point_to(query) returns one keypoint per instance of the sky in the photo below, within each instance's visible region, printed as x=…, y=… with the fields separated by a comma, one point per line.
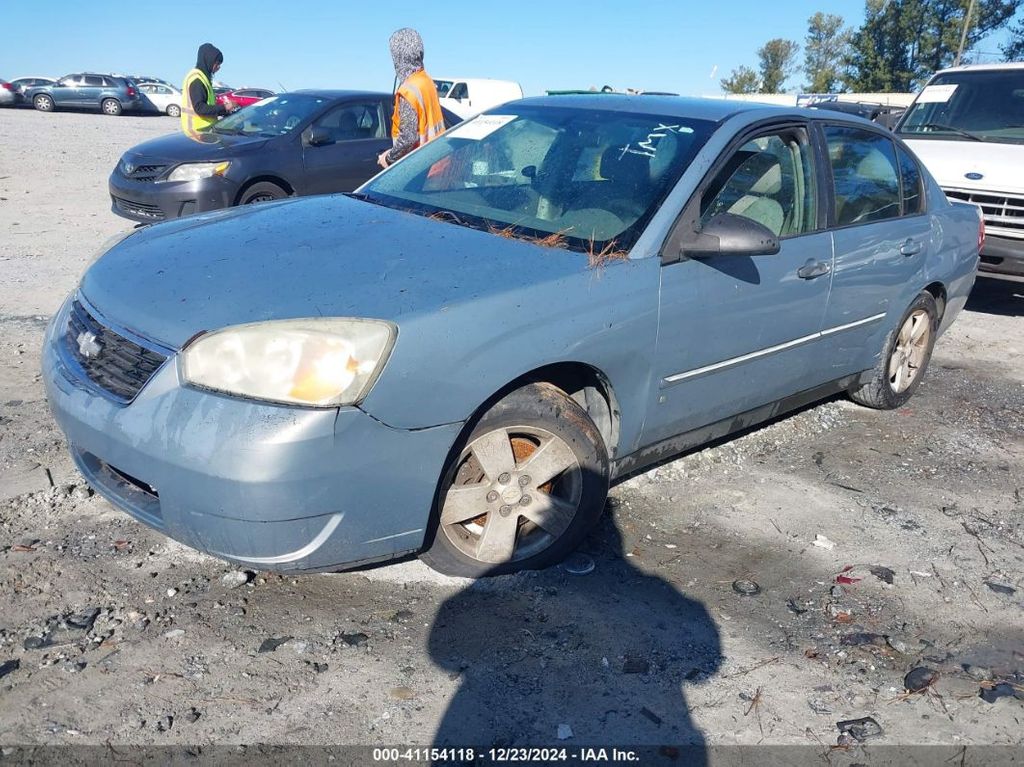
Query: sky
x=683, y=46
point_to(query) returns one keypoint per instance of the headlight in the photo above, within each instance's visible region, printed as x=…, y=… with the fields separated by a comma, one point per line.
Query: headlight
x=197, y=170
x=317, y=362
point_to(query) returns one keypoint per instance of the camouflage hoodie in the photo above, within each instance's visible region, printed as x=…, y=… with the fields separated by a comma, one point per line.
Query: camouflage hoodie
x=407, y=54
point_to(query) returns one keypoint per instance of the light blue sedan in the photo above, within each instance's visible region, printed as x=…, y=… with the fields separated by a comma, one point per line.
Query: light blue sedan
x=458, y=358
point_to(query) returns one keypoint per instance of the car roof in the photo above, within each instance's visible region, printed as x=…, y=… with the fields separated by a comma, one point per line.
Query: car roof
x=983, y=67
x=715, y=110
x=326, y=93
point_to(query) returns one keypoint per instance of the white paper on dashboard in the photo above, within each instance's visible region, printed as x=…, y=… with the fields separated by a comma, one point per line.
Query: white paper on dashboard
x=936, y=94
x=480, y=127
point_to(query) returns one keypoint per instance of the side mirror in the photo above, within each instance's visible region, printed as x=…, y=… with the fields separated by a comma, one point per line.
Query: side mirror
x=730, y=235
x=530, y=171
x=320, y=137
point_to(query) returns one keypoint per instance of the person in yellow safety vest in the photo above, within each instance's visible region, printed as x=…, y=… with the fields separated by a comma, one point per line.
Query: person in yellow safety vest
x=417, y=118
x=199, y=107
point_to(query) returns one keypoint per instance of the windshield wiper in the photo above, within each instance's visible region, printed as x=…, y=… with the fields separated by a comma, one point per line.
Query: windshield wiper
x=951, y=129
x=225, y=131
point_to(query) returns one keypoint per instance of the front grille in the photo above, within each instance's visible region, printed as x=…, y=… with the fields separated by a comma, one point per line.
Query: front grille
x=142, y=209
x=117, y=365
x=147, y=172
x=999, y=210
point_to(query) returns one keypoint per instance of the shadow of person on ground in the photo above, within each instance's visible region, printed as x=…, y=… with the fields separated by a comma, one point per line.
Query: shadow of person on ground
x=607, y=654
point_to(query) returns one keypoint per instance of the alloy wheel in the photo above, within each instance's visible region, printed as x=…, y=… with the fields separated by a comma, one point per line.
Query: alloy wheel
x=910, y=351
x=515, y=492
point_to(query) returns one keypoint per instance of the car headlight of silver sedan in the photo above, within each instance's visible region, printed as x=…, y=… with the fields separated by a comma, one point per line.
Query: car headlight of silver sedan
x=194, y=171
x=314, y=362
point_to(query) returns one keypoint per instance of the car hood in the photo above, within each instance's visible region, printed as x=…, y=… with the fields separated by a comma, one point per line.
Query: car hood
x=1001, y=166
x=177, y=147
x=322, y=256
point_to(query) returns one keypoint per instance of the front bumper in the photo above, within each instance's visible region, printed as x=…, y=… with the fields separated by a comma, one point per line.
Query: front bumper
x=1002, y=255
x=271, y=487
x=149, y=201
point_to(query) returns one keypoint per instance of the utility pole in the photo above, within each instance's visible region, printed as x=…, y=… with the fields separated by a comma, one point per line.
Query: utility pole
x=963, y=34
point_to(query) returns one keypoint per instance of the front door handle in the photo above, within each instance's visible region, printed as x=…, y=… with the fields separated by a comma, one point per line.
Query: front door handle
x=813, y=269
x=911, y=248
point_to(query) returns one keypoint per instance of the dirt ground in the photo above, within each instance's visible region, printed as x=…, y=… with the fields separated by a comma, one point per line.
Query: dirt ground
x=111, y=633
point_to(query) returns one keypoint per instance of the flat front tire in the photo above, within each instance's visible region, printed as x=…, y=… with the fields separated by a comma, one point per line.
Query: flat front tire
x=528, y=484
x=263, y=191
x=904, y=359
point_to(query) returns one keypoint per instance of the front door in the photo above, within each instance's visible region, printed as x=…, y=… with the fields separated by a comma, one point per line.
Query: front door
x=349, y=139
x=739, y=332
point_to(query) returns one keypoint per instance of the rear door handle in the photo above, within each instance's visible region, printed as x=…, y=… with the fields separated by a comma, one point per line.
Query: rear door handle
x=813, y=269
x=911, y=248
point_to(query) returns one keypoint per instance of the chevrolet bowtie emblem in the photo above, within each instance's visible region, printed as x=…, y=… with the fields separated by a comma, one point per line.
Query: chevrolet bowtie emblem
x=88, y=346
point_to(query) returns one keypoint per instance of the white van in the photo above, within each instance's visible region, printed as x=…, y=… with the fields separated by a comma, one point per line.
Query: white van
x=967, y=126
x=468, y=96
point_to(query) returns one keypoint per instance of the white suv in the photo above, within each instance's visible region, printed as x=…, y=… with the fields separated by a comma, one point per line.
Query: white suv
x=967, y=126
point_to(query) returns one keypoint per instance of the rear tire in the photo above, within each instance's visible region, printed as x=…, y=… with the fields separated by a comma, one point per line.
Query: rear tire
x=43, y=103
x=173, y=110
x=263, y=191
x=111, y=107
x=525, y=489
x=904, y=359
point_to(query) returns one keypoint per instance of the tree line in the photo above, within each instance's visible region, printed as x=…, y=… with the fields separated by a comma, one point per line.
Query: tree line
x=900, y=44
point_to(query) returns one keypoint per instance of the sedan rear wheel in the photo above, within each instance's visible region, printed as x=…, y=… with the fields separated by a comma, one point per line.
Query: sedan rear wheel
x=43, y=103
x=524, y=491
x=904, y=358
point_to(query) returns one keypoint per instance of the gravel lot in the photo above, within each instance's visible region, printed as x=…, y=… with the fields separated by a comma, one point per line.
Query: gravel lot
x=112, y=633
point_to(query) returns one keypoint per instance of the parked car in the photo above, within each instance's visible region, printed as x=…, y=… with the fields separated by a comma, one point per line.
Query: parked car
x=244, y=97
x=8, y=93
x=967, y=126
x=21, y=84
x=161, y=98
x=457, y=358
x=111, y=95
x=309, y=142
x=470, y=96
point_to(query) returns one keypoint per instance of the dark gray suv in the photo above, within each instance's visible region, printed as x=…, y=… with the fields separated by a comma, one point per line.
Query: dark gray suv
x=111, y=95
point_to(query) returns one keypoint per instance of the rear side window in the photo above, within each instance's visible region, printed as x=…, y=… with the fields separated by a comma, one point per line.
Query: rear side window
x=910, y=176
x=92, y=81
x=865, y=176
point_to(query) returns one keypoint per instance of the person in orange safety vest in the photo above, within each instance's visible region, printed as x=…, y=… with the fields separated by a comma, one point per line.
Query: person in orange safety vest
x=417, y=118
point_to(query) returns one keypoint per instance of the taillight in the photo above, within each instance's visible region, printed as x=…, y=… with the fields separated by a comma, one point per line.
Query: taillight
x=981, y=232
x=131, y=91
x=8, y=87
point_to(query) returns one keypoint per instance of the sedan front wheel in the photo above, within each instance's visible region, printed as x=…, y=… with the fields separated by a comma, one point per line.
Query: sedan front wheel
x=524, y=491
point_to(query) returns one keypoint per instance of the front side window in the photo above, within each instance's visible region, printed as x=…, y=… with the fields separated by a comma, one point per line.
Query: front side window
x=443, y=86
x=70, y=81
x=770, y=180
x=351, y=122
x=591, y=177
x=865, y=175
x=459, y=91
x=272, y=117
x=965, y=106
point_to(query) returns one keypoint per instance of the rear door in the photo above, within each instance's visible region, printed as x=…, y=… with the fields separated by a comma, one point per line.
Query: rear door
x=356, y=134
x=739, y=332
x=91, y=90
x=882, y=236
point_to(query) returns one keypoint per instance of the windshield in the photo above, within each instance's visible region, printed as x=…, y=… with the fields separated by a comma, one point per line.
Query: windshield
x=271, y=117
x=985, y=105
x=591, y=177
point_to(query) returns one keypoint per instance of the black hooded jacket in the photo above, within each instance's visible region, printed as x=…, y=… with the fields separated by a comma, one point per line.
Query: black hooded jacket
x=207, y=58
